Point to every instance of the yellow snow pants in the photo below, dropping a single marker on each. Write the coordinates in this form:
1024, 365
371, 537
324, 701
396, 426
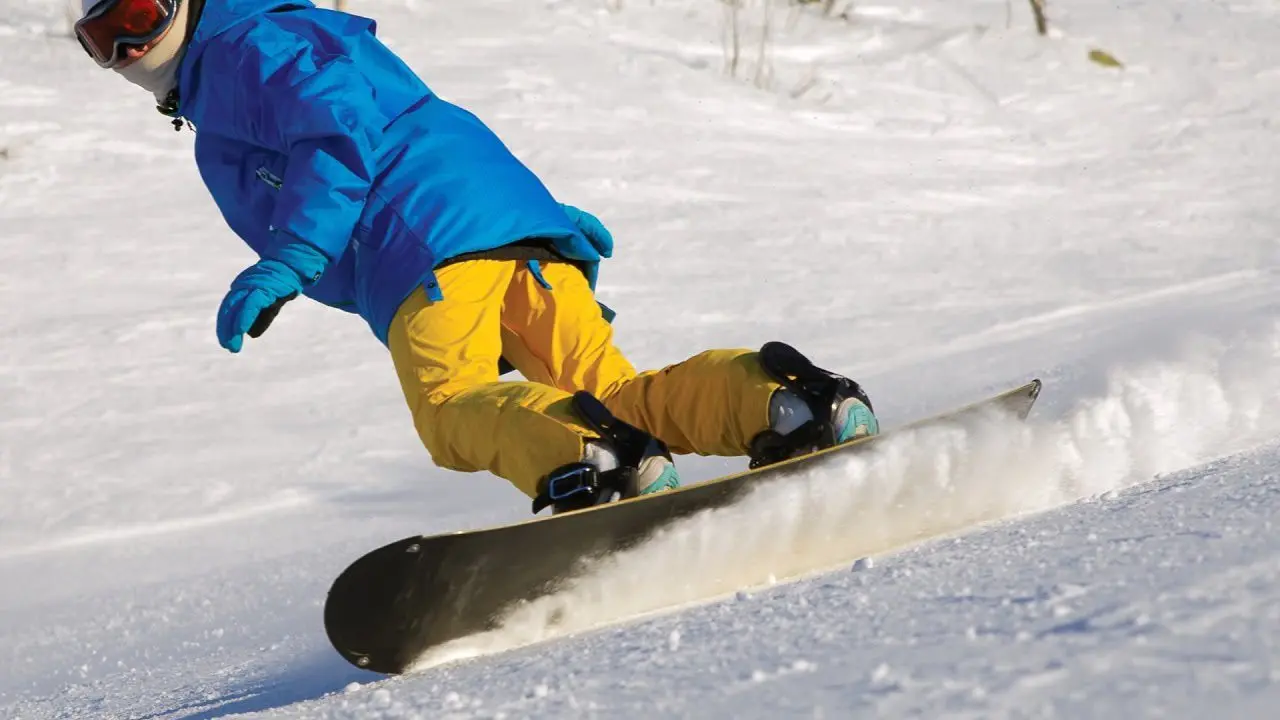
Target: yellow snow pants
446, 354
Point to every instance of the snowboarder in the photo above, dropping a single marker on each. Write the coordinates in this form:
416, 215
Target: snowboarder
360, 188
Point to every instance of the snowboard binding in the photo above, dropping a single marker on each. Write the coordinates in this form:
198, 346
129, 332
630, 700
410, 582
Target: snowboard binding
581, 485
821, 390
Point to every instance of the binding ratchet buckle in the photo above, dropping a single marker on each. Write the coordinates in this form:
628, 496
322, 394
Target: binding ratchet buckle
576, 485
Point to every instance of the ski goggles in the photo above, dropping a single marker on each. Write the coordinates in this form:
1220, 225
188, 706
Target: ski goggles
113, 25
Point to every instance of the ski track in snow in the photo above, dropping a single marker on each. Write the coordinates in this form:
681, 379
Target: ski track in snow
285, 501
925, 195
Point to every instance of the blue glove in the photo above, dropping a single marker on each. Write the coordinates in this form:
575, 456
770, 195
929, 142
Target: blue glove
259, 292
591, 226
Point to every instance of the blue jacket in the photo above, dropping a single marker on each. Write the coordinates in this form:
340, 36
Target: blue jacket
308, 127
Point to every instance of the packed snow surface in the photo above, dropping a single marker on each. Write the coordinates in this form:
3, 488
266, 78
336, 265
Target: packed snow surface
924, 194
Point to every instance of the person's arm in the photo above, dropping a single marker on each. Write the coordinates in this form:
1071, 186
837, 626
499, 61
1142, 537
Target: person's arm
319, 111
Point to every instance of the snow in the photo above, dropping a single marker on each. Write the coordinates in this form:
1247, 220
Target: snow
924, 194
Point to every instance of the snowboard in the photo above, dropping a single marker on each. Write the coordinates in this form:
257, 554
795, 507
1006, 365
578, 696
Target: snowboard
396, 602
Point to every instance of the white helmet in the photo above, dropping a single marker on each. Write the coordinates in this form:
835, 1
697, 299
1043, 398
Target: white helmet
107, 27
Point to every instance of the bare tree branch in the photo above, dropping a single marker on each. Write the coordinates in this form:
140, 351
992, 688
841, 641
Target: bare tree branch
1042, 23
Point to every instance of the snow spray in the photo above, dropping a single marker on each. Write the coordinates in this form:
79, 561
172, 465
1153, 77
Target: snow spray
1154, 418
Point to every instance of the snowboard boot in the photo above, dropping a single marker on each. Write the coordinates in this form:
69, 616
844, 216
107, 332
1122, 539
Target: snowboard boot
624, 462
815, 409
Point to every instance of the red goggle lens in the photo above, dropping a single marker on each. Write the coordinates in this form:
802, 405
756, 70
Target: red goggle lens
114, 23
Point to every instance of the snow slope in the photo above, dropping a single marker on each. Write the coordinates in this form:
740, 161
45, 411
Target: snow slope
924, 194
